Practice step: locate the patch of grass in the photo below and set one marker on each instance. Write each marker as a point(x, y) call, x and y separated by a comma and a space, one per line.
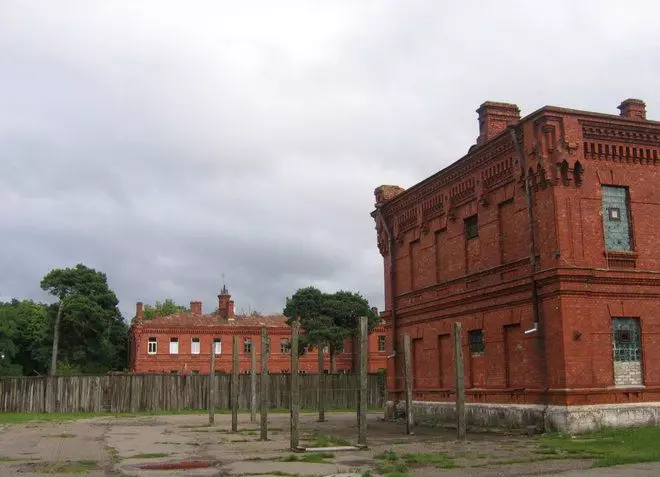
point(149, 455)
point(367, 474)
point(609, 446)
point(68, 467)
point(387, 455)
point(439, 460)
point(319, 440)
point(15, 459)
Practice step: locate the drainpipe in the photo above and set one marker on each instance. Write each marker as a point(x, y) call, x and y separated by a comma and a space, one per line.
point(538, 326)
point(532, 237)
point(390, 251)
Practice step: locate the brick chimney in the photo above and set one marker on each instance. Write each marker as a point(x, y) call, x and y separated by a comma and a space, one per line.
point(196, 307)
point(386, 192)
point(139, 311)
point(225, 304)
point(494, 118)
point(633, 109)
point(231, 314)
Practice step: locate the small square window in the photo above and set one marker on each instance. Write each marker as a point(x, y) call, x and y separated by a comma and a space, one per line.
point(195, 346)
point(472, 227)
point(476, 338)
point(217, 345)
point(381, 343)
point(614, 213)
point(285, 346)
point(174, 345)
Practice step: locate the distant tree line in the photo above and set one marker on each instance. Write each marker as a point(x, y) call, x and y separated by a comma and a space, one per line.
point(84, 330)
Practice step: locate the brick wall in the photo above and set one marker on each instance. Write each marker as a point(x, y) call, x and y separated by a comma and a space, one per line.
point(442, 277)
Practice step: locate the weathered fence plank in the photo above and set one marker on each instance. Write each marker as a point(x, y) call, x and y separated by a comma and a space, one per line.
point(164, 392)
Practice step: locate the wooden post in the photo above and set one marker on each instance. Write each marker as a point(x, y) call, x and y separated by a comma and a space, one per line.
point(460, 382)
point(321, 387)
point(234, 387)
point(407, 364)
point(253, 386)
point(295, 385)
point(212, 385)
point(264, 385)
point(362, 421)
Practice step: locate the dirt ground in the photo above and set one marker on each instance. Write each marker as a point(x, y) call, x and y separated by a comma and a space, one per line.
point(124, 446)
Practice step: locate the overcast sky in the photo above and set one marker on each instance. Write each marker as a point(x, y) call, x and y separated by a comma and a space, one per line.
point(166, 143)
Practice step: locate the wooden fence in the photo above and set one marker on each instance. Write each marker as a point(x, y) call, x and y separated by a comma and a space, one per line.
point(158, 392)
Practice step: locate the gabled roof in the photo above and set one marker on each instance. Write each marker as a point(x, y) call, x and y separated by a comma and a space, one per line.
point(190, 320)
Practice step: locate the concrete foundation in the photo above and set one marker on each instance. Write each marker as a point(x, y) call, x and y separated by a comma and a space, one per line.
point(567, 419)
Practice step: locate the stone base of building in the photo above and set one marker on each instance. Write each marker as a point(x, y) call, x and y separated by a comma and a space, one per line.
point(567, 419)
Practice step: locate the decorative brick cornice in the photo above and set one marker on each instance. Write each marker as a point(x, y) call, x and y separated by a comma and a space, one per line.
point(606, 131)
point(461, 168)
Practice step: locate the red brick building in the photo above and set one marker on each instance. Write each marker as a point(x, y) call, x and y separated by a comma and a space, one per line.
point(182, 343)
point(543, 242)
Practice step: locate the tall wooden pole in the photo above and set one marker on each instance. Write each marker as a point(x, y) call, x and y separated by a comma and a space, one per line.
point(407, 364)
point(362, 421)
point(295, 385)
point(264, 385)
point(253, 386)
point(460, 382)
point(234, 387)
point(212, 385)
point(321, 386)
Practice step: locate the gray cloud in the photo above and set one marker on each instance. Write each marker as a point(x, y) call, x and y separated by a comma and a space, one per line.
point(167, 144)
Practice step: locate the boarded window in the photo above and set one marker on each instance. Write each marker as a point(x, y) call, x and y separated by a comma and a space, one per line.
point(217, 345)
point(194, 346)
point(476, 338)
point(616, 218)
point(174, 345)
point(153, 346)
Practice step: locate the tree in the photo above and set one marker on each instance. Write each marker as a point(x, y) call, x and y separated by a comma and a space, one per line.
point(328, 319)
point(23, 335)
point(86, 321)
point(165, 308)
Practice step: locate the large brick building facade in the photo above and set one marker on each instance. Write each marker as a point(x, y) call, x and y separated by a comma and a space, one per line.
point(182, 343)
point(543, 242)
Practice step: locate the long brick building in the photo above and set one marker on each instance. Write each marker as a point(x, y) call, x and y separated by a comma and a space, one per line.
point(182, 343)
point(543, 243)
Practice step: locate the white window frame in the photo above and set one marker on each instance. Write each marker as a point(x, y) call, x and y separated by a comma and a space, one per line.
point(217, 345)
point(152, 341)
point(195, 346)
point(174, 345)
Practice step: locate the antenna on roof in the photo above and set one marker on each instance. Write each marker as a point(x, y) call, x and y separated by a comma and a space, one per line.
point(224, 285)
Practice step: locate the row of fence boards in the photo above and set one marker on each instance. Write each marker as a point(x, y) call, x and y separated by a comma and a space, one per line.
point(166, 392)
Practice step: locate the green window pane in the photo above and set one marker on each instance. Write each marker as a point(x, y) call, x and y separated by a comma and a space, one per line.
point(616, 220)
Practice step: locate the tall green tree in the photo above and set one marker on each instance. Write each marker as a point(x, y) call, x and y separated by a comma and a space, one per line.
point(87, 324)
point(328, 319)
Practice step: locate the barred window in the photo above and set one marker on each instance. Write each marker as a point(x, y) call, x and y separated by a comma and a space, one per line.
point(476, 338)
point(626, 339)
